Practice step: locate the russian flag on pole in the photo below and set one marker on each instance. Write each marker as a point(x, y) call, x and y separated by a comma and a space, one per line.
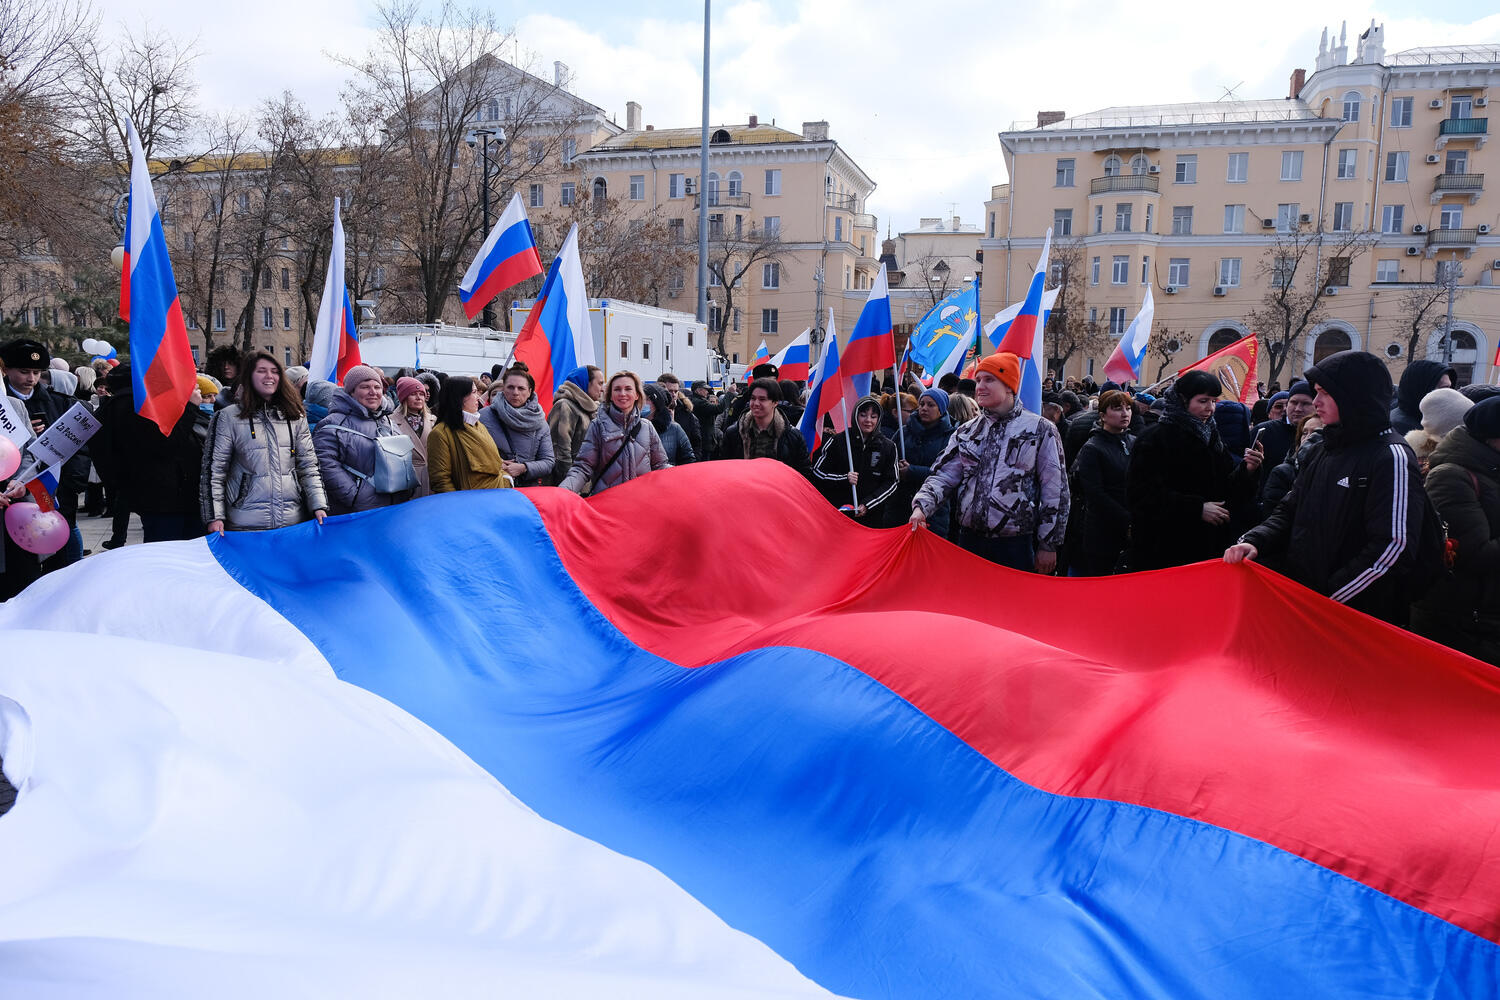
point(507, 258)
point(162, 371)
point(679, 789)
point(871, 346)
point(1024, 337)
point(830, 384)
point(795, 359)
point(762, 356)
point(335, 346)
point(1124, 364)
point(557, 335)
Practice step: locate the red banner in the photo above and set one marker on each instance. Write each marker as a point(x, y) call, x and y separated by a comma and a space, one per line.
point(1234, 366)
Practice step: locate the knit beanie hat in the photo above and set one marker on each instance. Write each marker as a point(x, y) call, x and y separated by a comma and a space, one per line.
point(1483, 419)
point(580, 377)
point(405, 386)
point(207, 386)
point(938, 396)
point(1443, 410)
point(1277, 397)
point(297, 374)
point(1004, 366)
point(1301, 387)
point(361, 373)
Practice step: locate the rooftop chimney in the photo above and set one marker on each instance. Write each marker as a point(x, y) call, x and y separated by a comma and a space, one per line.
point(560, 74)
point(1045, 118)
point(632, 116)
point(754, 120)
point(929, 223)
point(650, 128)
point(815, 131)
point(1299, 78)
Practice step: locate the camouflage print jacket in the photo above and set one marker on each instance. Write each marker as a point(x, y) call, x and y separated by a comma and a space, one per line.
point(1009, 475)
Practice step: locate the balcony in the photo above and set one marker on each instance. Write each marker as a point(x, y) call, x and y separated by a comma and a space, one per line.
point(1452, 239)
point(1462, 128)
point(720, 200)
point(1445, 185)
point(1125, 182)
point(864, 220)
point(844, 202)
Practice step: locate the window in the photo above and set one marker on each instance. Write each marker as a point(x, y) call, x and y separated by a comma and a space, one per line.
point(1062, 222)
point(1187, 169)
point(267, 318)
point(1139, 165)
point(716, 319)
point(1391, 218)
point(1111, 166)
point(286, 318)
point(1239, 168)
point(675, 185)
point(1064, 173)
point(569, 152)
point(1055, 272)
point(1291, 165)
point(1451, 217)
point(265, 279)
point(1098, 218)
point(535, 199)
point(1182, 220)
point(1177, 271)
point(736, 182)
point(711, 188)
point(1338, 271)
point(770, 275)
point(1347, 160)
point(1234, 218)
point(601, 190)
point(1116, 320)
point(1119, 272)
point(286, 354)
point(536, 152)
point(773, 182)
point(1461, 106)
point(713, 279)
point(243, 202)
point(1148, 220)
point(769, 320)
point(1122, 217)
point(838, 228)
point(244, 281)
point(218, 319)
point(1229, 272)
point(676, 230)
point(624, 347)
point(645, 350)
point(1351, 106)
point(1094, 271)
point(1343, 216)
point(690, 336)
point(992, 225)
point(568, 194)
point(1395, 166)
point(1286, 217)
point(1146, 269)
point(192, 324)
point(637, 187)
point(377, 277)
point(188, 241)
point(734, 320)
point(286, 279)
point(1283, 269)
point(1401, 112)
point(1388, 270)
point(848, 277)
point(772, 226)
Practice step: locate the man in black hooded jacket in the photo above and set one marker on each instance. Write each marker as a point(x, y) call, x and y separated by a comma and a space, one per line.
point(1420, 378)
point(1350, 526)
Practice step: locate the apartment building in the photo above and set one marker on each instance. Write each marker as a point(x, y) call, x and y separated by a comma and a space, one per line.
point(1377, 163)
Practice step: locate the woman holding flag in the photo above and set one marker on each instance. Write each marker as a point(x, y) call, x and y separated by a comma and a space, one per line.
point(857, 471)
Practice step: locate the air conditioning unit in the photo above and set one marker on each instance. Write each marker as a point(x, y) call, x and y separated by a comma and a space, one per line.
point(1436, 102)
point(1304, 218)
point(1220, 290)
point(1480, 102)
point(1331, 290)
point(1155, 168)
point(1419, 229)
point(1495, 265)
point(1171, 289)
point(672, 293)
point(1432, 158)
point(690, 185)
point(1484, 227)
point(1413, 251)
point(1268, 223)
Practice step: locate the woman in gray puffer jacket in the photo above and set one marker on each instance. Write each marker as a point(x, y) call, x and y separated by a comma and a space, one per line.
point(515, 420)
point(619, 445)
point(259, 469)
point(345, 442)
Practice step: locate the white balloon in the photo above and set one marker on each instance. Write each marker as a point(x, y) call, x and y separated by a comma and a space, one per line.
point(92, 346)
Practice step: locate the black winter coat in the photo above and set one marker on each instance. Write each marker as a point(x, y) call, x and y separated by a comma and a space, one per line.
point(1420, 378)
point(924, 443)
point(1463, 482)
point(791, 448)
point(874, 460)
point(1171, 475)
point(1099, 489)
point(48, 407)
point(157, 474)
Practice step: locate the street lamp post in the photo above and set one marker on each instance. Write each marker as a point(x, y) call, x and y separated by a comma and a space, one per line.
point(483, 135)
point(1450, 279)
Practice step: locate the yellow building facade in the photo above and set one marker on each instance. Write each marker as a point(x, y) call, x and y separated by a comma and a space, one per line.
point(1375, 164)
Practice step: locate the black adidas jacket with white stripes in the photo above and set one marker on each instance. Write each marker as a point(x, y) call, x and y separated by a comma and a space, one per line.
point(1350, 525)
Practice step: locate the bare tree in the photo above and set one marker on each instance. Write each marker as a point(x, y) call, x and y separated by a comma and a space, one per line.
point(731, 255)
point(626, 254)
point(936, 277)
point(1164, 346)
point(1298, 266)
point(1069, 330)
point(1417, 310)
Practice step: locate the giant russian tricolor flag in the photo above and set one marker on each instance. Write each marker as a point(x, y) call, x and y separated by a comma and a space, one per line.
point(226, 789)
point(162, 372)
point(794, 361)
point(335, 346)
point(507, 258)
point(871, 346)
point(557, 335)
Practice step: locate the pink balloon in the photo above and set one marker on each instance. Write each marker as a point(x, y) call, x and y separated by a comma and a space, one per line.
point(36, 530)
point(10, 457)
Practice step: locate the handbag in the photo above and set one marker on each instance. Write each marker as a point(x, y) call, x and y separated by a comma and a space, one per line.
point(395, 469)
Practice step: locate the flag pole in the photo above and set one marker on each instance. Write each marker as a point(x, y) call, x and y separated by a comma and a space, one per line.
point(853, 487)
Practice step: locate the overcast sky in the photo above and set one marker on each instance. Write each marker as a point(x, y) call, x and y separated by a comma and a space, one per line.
point(914, 92)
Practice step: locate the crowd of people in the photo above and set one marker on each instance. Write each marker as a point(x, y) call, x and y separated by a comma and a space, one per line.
point(1389, 505)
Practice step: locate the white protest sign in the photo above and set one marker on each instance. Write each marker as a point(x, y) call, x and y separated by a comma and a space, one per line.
point(14, 423)
point(61, 441)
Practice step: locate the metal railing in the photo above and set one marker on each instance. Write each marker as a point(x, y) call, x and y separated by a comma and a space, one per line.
point(1459, 182)
point(864, 220)
point(1464, 126)
point(721, 200)
point(846, 202)
point(1125, 182)
point(1452, 237)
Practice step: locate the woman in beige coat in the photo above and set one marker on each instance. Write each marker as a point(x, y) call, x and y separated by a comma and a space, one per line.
point(415, 420)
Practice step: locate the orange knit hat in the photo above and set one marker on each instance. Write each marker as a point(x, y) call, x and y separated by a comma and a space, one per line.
point(1004, 366)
